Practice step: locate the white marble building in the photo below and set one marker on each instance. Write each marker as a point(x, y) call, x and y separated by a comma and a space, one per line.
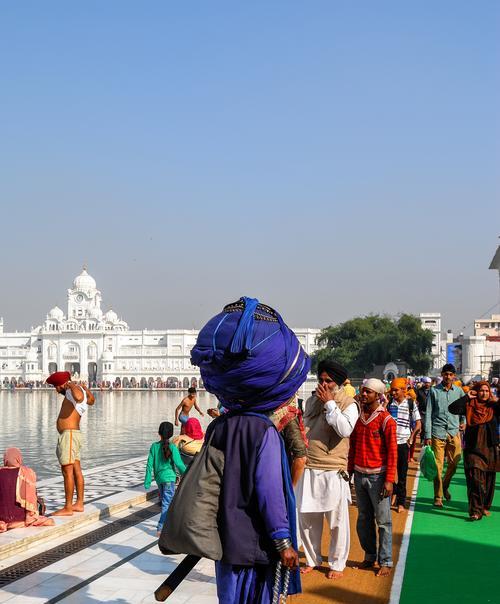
point(479, 353)
point(432, 321)
point(98, 346)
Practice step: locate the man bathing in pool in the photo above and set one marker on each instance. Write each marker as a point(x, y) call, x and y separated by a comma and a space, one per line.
point(77, 398)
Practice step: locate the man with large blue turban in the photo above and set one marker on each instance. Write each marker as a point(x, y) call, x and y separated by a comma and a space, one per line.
point(253, 363)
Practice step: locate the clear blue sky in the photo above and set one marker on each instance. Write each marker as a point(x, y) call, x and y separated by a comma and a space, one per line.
point(319, 155)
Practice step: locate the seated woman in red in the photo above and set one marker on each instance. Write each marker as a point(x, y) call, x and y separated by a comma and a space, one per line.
point(18, 500)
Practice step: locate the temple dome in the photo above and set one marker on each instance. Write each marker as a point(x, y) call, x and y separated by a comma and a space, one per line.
point(56, 313)
point(84, 282)
point(111, 316)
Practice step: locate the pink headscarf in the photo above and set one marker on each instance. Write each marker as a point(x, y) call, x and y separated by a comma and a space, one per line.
point(25, 490)
point(12, 458)
point(192, 428)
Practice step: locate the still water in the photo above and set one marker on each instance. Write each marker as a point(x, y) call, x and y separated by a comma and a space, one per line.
point(119, 426)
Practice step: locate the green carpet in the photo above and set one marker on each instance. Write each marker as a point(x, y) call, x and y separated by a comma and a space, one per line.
point(450, 560)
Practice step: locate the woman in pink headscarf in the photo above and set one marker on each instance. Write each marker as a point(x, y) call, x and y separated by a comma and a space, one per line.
point(191, 441)
point(18, 499)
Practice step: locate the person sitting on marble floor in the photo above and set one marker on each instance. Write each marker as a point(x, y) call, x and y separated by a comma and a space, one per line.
point(18, 498)
point(191, 442)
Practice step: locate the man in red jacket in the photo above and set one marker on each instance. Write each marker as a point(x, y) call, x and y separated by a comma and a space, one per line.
point(373, 455)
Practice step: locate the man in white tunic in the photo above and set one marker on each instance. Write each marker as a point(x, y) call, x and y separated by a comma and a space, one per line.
point(323, 491)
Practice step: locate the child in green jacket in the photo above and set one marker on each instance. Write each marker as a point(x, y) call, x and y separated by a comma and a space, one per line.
point(163, 458)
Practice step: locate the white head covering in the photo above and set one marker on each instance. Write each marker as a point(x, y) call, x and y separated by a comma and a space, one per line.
point(426, 380)
point(375, 385)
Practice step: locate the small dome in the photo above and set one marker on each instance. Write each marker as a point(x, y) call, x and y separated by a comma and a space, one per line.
point(111, 316)
point(56, 313)
point(84, 282)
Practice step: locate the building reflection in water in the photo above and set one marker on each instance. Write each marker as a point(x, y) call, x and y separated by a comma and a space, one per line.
point(121, 425)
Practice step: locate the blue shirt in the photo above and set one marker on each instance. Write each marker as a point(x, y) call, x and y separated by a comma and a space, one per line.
point(439, 422)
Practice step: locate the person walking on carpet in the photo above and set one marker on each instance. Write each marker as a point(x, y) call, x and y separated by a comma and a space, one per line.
point(482, 411)
point(373, 454)
point(442, 431)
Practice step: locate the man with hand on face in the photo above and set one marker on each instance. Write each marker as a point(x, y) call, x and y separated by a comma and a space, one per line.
point(373, 455)
point(323, 490)
point(442, 431)
point(76, 400)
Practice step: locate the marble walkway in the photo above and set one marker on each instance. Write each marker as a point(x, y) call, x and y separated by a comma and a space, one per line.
point(126, 567)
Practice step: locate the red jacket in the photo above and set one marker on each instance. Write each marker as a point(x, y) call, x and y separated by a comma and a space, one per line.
point(373, 448)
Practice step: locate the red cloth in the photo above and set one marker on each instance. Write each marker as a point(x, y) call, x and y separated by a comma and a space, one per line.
point(373, 444)
point(25, 494)
point(59, 378)
point(192, 428)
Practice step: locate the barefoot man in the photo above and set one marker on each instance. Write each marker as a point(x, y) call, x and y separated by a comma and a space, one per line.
point(184, 408)
point(77, 398)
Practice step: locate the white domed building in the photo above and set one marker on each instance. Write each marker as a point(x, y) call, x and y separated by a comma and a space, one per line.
point(98, 347)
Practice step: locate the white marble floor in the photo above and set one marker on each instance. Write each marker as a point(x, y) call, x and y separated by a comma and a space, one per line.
point(88, 573)
point(100, 482)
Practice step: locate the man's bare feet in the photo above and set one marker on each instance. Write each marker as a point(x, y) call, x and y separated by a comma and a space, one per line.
point(63, 512)
point(334, 574)
point(401, 508)
point(438, 502)
point(384, 571)
point(487, 512)
point(78, 507)
point(305, 570)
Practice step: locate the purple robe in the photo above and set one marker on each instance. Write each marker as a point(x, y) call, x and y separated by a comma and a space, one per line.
point(254, 584)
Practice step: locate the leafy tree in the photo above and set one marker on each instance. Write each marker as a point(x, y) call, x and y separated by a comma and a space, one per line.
point(363, 342)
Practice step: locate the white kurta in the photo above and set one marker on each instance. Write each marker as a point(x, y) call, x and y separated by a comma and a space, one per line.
point(324, 493)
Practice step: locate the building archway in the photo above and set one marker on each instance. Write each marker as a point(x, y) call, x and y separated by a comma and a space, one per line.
point(172, 382)
point(185, 382)
point(92, 371)
point(144, 382)
point(52, 367)
point(73, 368)
point(126, 383)
point(194, 383)
point(133, 382)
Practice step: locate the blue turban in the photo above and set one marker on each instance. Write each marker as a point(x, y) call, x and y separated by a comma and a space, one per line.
point(248, 357)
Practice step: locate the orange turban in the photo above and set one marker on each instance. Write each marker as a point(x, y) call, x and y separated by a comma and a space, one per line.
point(399, 383)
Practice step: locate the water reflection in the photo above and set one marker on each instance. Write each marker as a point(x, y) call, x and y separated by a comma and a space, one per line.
point(121, 425)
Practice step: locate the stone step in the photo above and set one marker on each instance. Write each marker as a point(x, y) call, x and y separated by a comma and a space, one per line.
point(120, 498)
